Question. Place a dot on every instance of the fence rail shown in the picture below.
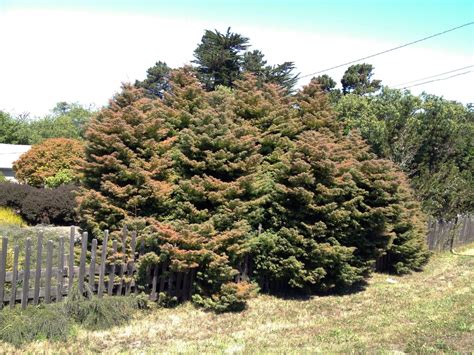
(440, 233)
(112, 270)
(101, 271)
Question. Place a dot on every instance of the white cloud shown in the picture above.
(51, 56)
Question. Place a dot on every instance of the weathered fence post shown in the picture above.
(16, 253)
(131, 264)
(92, 265)
(39, 255)
(71, 258)
(82, 263)
(153, 294)
(124, 257)
(26, 275)
(60, 273)
(162, 276)
(49, 271)
(110, 287)
(3, 269)
(103, 257)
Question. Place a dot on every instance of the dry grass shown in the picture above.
(429, 311)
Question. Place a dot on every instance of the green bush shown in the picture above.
(231, 298)
(62, 177)
(19, 326)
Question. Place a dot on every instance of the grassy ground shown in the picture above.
(428, 311)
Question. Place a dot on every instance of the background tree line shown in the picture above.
(430, 138)
(66, 120)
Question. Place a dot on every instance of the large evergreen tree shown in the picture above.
(219, 57)
(246, 183)
(221, 60)
(358, 80)
(156, 82)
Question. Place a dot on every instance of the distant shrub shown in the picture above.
(13, 195)
(9, 217)
(47, 159)
(50, 206)
(3, 178)
(39, 205)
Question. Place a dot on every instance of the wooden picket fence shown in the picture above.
(440, 238)
(440, 235)
(111, 272)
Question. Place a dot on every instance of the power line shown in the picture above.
(389, 50)
(440, 79)
(434, 76)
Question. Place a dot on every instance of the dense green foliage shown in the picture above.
(65, 121)
(358, 80)
(14, 130)
(39, 205)
(430, 138)
(221, 60)
(156, 82)
(249, 183)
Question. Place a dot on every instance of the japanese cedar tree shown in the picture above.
(247, 183)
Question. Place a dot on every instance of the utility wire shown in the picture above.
(389, 50)
(434, 76)
(440, 79)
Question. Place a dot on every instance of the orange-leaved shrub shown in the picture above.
(54, 157)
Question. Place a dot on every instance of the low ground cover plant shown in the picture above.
(58, 321)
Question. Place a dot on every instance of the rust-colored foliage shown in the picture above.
(246, 181)
(48, 158)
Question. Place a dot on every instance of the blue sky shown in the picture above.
(313, 34)
(388, 19)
